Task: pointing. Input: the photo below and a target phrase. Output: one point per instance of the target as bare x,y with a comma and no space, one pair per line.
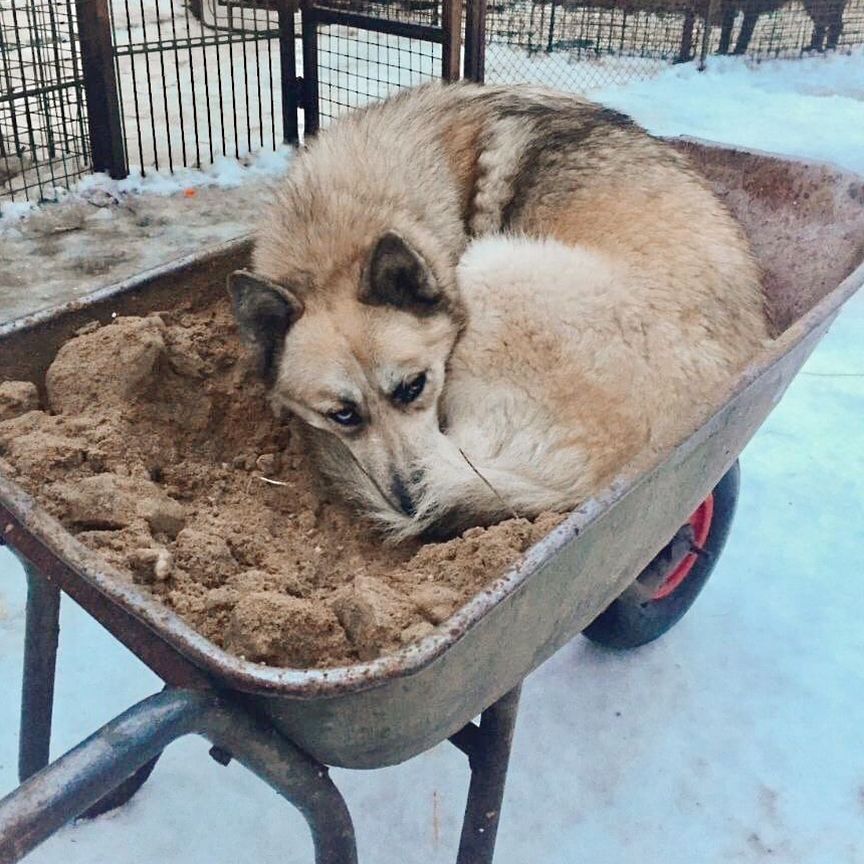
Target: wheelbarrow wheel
123,792
668,587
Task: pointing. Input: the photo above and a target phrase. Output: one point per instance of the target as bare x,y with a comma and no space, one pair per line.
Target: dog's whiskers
492,489
372,480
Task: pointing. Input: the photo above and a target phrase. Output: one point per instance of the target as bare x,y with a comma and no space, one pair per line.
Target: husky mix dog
485,301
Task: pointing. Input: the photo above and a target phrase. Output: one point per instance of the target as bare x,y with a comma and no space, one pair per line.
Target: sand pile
155,446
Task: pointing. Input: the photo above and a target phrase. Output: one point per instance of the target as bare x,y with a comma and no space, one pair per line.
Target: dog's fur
614,291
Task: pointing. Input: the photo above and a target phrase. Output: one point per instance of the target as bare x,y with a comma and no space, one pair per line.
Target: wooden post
100,87
288,70
475,40
452,44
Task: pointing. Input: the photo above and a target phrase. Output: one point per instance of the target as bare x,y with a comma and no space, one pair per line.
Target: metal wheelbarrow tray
806,222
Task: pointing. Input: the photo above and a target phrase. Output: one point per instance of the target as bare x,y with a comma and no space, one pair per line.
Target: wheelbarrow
622,568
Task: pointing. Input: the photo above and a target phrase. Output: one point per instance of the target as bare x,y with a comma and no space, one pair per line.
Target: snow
735,738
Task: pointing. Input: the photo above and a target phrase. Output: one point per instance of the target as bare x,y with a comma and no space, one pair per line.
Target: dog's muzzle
403,496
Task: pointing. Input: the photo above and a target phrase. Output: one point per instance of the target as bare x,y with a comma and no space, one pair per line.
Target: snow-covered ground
735,738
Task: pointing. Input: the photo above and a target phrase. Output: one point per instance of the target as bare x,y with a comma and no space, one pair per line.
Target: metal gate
357,52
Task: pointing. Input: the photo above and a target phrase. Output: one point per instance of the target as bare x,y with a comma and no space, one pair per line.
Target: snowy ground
736,738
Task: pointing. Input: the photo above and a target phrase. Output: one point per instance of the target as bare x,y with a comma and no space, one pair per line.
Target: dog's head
363,360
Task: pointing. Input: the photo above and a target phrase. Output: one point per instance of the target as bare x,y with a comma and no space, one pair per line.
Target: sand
155,446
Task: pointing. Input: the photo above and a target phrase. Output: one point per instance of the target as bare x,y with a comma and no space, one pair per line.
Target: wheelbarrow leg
488,749
88,772
301,780
40,657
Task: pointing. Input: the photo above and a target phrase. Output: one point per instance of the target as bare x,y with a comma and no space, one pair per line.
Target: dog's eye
345,417
408,391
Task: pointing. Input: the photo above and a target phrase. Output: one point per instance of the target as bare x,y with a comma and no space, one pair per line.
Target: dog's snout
403,495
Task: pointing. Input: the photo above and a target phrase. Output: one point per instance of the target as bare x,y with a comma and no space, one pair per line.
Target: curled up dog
486,301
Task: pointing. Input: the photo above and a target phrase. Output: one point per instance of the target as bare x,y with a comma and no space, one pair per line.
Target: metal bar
550,40
232,69
309,21
475,40
37,687
488,774
100,85
685,52
191,62
88,772
424,32
707,17
302,781
148,80
58,793
119,77
31,92
288,72
164,83
451,54
468,739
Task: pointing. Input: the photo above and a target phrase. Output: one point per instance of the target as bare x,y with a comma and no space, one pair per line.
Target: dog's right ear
264,311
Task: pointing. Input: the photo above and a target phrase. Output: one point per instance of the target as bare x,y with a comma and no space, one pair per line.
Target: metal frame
51,795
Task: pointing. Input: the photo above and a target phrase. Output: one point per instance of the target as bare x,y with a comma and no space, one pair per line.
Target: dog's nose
403,496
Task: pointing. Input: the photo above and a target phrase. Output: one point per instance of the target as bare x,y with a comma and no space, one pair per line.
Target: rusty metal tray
387,710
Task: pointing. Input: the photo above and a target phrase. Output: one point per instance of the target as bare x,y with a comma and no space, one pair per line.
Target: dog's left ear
397,275
264,311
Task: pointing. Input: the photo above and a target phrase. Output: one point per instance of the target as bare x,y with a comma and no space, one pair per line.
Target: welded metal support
76,781
488,749
40,657
301,780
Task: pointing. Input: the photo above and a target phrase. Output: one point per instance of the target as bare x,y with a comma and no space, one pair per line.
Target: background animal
826,15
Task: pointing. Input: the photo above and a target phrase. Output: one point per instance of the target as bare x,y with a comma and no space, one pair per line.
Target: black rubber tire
631,621
123,793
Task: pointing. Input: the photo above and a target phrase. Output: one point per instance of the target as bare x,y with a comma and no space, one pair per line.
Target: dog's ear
264,312
398,276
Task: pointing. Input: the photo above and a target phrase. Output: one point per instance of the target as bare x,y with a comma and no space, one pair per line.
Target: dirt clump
17,397
157,449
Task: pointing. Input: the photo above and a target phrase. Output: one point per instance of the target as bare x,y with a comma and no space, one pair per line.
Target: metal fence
357,52
193,87
158,84
43,132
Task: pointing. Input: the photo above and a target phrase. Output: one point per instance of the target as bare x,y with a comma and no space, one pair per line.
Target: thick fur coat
605,292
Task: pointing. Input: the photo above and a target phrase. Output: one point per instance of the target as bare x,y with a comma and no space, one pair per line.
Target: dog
399,358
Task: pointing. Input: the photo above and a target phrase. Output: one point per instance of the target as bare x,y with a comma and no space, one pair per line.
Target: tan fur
561,373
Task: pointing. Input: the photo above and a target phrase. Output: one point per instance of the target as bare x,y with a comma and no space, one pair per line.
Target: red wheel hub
700,521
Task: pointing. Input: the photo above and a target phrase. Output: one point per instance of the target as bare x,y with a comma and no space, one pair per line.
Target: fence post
100,87
451,11
711,6
285,10
309,33
475,40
